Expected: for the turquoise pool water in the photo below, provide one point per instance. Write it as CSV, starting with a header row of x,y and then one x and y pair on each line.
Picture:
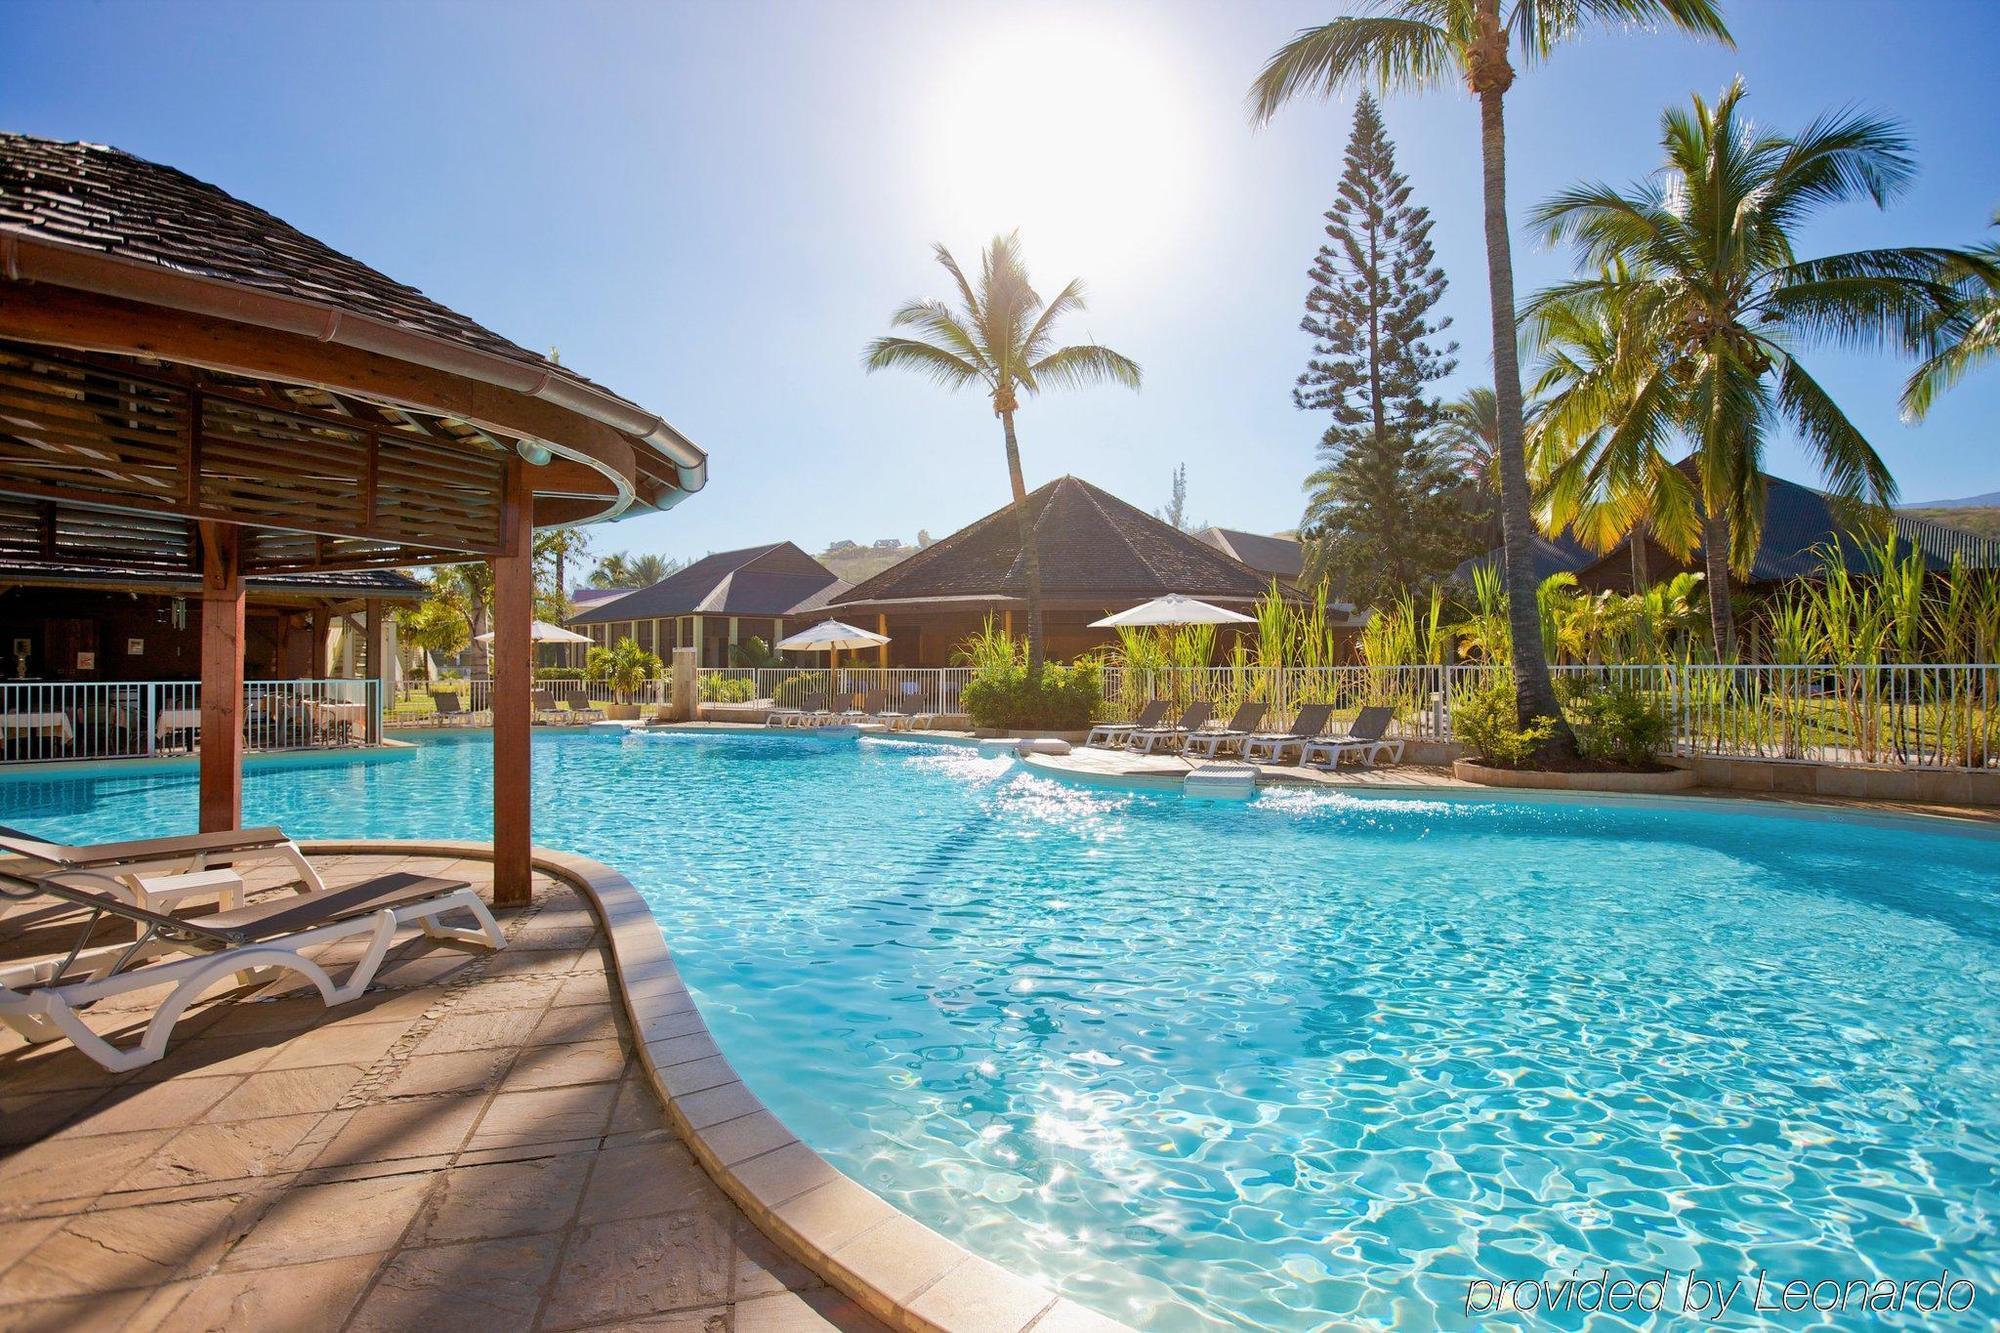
x,y
1307,1060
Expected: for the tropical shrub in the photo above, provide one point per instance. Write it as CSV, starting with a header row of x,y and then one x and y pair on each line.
x,y
1484,721
726,689
1617,724
1061,698
560,673
624,666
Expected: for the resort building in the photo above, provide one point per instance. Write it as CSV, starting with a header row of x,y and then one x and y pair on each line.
x,y
1279,556
1098,555
715,603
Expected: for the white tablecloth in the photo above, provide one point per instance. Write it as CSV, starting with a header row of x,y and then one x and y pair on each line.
x,y
177,719
46,724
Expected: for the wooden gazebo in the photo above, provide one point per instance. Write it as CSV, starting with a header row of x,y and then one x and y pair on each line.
x,y
187,383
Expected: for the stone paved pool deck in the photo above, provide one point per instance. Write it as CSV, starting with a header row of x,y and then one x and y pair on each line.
x,y
473,1145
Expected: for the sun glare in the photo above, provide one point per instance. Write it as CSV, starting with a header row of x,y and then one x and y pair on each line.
x,y
1079,133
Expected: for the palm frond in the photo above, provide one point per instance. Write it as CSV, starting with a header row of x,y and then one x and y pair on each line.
x,y
1849,464
1394,54
934,363
1079,365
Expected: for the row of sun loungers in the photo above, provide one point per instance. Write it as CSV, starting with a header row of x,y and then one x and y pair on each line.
x,y
574,705
1308,741
874,709
142,886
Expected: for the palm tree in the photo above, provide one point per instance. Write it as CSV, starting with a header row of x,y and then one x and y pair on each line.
x,y
1468,434
1715,304
1417,45
1593,476
646,570
619,570
999,339
1968,335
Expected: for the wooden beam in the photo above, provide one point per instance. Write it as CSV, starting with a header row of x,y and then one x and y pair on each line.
x,y
512,660
372,641
221,781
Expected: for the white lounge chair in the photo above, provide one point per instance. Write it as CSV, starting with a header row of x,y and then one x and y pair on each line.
x,y
1115,734
1270,747
1148,739
1367,737
1214,744
257,945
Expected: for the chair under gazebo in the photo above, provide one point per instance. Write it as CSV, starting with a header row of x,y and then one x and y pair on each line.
x,y
188,383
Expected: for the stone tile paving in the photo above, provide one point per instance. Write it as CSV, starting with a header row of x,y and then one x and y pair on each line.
x,y
467,1146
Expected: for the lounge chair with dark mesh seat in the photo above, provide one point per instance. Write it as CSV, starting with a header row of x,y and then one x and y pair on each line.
x,y
1116,734
263,944
1216,742
1270,747
1367,738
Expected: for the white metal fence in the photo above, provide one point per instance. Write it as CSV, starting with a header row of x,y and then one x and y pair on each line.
x,y
1945,716
48,720
1897,716
417,702
902,689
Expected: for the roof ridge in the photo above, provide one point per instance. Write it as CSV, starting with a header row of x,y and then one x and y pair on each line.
x,y
1091,493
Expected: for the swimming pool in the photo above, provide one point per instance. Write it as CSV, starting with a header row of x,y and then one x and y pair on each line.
x,y
1308,1059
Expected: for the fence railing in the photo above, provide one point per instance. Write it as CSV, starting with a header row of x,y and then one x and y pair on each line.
x,y
1893,715
903,689
1896,716
414,703
42,721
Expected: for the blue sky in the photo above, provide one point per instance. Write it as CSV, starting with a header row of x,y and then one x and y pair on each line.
x,y
712,207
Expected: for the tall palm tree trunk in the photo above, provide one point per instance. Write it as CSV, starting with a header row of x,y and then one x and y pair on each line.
x,y
1031,559
1715,556
1534,689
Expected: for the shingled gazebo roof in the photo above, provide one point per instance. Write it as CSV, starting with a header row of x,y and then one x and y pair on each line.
x,y
1095,551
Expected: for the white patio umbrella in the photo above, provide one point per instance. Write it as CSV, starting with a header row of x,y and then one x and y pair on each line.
x,y
544,632
832,636
1174,609
829,637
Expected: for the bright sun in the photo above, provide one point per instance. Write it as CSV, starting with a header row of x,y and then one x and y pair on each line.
x,y
1074,130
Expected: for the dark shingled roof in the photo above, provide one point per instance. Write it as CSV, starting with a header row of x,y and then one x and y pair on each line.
x,y
1799,522
1095,550
108,200
755,581
1283,556
1562,554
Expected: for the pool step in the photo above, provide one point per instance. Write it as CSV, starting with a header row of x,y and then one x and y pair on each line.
x,y
1222,782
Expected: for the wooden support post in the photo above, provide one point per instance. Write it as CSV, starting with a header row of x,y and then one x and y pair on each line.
x,y
372,641
882,628
316,625
512,667
221,782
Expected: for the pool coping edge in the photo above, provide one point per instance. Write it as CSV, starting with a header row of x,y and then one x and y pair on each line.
x,y
892,1265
